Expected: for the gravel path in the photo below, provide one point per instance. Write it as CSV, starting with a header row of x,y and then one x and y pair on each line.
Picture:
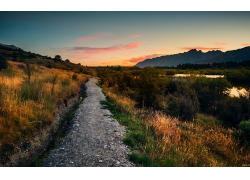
x,y
95,138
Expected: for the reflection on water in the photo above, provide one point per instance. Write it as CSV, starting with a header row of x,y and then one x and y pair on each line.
x,y
233,92
199,75
236,92
182,77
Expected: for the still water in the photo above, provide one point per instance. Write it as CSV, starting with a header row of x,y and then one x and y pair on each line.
x,y
233,92
197,75
236,92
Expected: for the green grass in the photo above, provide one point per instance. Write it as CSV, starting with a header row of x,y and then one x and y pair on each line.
x,y
140,138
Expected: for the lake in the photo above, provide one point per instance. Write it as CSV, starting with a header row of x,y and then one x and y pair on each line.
x,y
198,75
234,91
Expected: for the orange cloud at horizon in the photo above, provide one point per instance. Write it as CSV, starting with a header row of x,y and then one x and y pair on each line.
x,y
245,44
80,53
142,58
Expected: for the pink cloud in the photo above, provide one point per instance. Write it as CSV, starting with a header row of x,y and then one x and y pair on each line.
x,y
220,43
141,58
132,45
88,52
201,48
93,37
245,44
100,50
95,50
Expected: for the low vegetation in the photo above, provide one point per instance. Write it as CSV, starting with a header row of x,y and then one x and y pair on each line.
x,y
19,55
29,96
182,98
184,122
157,139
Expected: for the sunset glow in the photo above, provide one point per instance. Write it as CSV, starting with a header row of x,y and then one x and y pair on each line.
x,y
123,38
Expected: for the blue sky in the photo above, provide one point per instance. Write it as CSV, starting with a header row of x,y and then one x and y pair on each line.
x,y
123,38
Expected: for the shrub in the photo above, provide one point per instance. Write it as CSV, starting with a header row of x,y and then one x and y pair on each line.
x,y
244,133
182,107
74,76
58,58
182,100
234,110
210,92
3,62
150,87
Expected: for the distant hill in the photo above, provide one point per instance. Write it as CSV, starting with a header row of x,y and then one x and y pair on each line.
x,y
194,57
234,55
14,53
9,46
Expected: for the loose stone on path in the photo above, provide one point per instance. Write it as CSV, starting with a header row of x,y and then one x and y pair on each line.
x,y
95,139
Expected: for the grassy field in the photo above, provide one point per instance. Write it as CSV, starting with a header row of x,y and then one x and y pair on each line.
x,y
29,97
160,140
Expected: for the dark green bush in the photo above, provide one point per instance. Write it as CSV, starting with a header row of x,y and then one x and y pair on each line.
x,y
244,133
182,101
3,62
74,76
210,92
234,110
182,107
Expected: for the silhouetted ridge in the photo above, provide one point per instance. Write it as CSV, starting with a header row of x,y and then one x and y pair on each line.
x,y
197,57
233,55
9,46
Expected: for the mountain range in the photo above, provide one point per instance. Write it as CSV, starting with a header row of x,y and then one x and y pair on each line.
x,y
194,56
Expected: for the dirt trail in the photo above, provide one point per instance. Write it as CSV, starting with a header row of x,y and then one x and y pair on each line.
x,y
95,139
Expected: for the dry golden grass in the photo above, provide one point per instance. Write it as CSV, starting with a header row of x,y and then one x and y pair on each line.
x,y
125,103
26,107
202,142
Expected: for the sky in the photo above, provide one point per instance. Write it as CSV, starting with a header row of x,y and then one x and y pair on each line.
x,y
100,38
